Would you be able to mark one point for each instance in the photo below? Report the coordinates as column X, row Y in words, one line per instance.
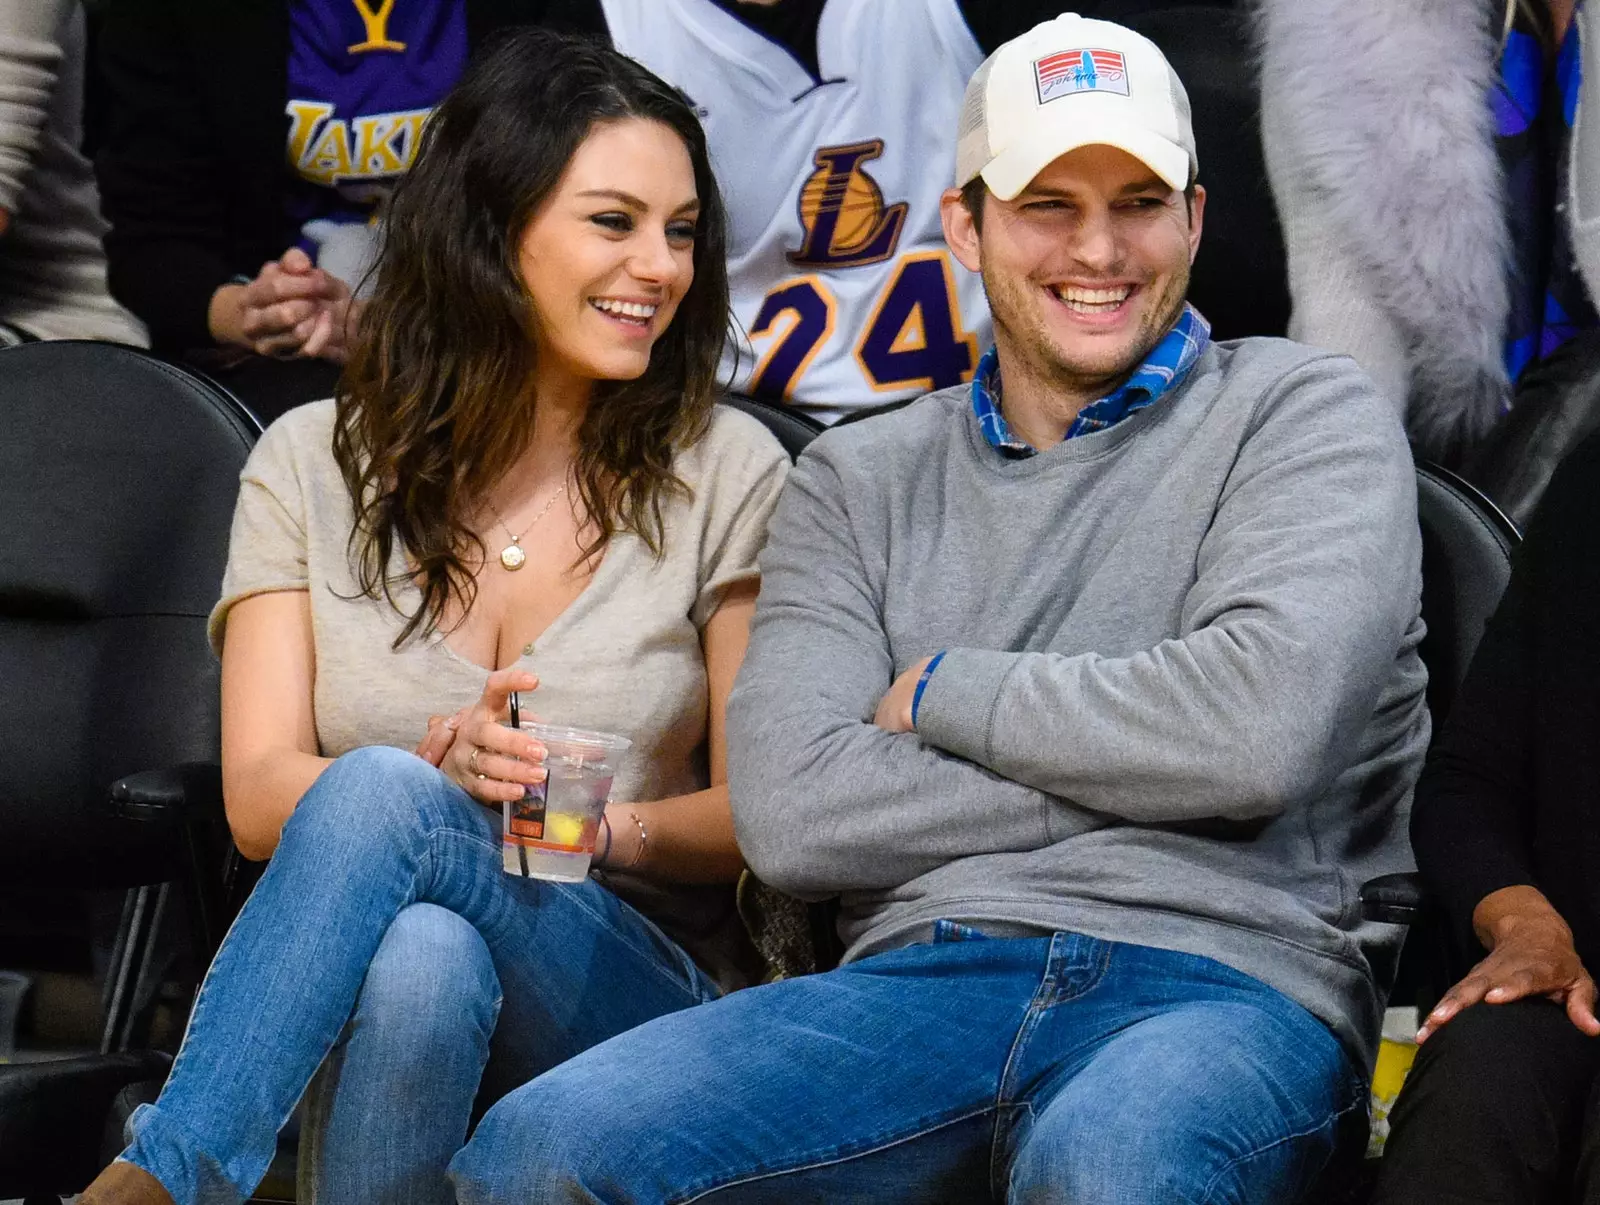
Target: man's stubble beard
column 1043, row 360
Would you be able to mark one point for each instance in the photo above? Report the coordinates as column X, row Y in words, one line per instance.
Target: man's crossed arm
column 1306, row 584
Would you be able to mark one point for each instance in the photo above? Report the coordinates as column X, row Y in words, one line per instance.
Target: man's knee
column 1221, row 1102
column 1117, row 1160
column 432, row 981
column 1129, row 1157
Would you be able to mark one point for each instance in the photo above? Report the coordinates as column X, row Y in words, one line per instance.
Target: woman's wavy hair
column 434, row 405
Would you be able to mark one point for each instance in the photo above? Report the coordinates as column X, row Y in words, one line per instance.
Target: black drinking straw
column 516, row 722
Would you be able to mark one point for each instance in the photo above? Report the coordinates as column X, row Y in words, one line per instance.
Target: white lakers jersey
column 842, row 283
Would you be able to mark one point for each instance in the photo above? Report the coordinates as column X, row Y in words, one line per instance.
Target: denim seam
column 1019, row 1112
column 805, row 1167
column 1102, row 964
column 462, row 835
column 1045, row 997
column 1028, row 1024
column 225, row 954
column 200, row 1000
column 1277, row 1142
column 310, row 1154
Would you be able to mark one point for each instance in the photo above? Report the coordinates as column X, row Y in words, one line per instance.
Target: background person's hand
column 328, row 333
column 333, row 329
column 894, row 709
column 291, row 309
column 488, row 760
column 1531, row 953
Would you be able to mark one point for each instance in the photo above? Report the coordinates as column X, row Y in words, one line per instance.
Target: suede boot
column 124, row 1184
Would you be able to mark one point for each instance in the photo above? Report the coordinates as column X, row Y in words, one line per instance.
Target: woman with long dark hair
column 522, row 486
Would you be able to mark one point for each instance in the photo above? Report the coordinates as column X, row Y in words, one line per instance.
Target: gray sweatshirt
column 1182, row 704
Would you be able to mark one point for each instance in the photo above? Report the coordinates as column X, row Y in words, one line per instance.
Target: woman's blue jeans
column 378, row 946
column 1033, row 1071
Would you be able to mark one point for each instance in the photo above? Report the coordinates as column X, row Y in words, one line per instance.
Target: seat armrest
column 1393, row 899
column 189, row 797
column 191, row 791
column 53, row 1115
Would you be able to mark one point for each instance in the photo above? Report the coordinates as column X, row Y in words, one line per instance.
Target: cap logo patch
column 1084, row 70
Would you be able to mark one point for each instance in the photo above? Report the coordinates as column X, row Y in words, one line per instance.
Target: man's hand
column 1531, row 953
column 291, row 309
column 894, row 709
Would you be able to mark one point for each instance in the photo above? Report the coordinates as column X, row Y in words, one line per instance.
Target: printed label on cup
column 527, row 815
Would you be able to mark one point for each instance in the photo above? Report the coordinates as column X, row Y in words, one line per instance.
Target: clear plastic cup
column 550, row 833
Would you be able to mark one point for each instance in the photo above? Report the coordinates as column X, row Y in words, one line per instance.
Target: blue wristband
column 922, row 683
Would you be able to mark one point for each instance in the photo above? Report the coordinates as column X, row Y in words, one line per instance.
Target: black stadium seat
column 118, row 474
column 1466, row 562
column 794, row 428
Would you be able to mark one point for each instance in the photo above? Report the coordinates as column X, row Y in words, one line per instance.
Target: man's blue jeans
column 377, row 946
column 1053, row 1069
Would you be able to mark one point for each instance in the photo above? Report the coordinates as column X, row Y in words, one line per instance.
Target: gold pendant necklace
column 512, row 556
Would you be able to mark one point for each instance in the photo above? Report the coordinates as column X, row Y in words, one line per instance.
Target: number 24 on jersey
column 912, row 340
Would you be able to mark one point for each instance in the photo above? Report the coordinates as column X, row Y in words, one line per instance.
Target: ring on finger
column 472, row 761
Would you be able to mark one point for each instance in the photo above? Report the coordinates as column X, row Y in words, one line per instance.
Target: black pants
column 1501, row 1106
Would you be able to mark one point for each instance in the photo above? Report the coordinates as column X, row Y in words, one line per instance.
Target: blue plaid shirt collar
column 1166, row 365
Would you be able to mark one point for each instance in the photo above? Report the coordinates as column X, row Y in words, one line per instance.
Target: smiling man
column 1091, row 691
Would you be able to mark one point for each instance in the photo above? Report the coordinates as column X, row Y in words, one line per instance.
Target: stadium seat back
column 1466, row 562
column 118, row 474
column 794, row 429
column 1467, row 545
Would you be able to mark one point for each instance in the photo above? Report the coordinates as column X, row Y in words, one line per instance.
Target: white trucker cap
column 1066, row 83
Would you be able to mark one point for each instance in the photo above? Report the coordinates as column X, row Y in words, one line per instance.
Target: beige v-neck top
column 624, row 657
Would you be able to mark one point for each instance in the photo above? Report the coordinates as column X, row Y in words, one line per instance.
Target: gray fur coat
column 1379, row 141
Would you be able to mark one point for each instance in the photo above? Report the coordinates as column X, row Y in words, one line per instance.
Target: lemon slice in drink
column 564, row 830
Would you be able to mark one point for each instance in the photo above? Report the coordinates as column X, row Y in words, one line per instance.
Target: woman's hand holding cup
column 488, row 760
